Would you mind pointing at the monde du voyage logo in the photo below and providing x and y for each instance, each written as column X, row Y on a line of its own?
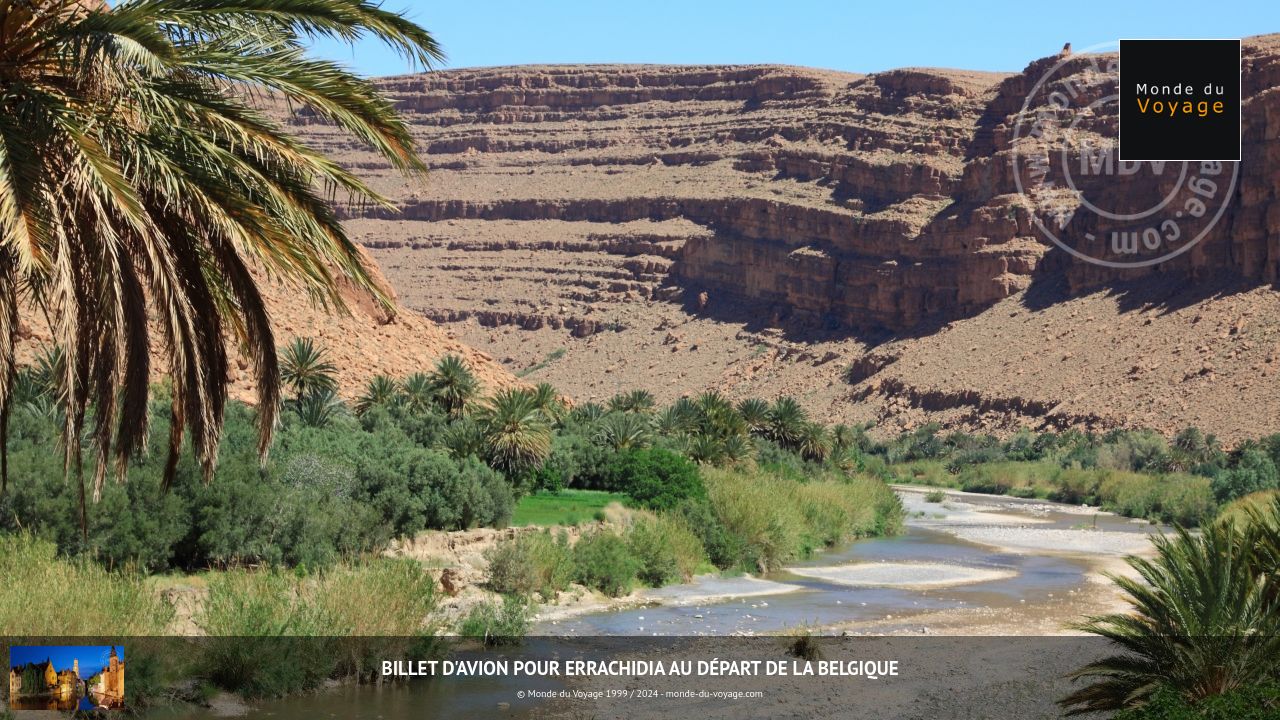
column 1130, row 158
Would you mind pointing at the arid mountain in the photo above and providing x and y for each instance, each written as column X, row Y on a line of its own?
column 856, row 241
column 362, row 343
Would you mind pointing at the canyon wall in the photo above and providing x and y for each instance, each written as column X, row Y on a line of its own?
column 858, row 242
column 838, row 200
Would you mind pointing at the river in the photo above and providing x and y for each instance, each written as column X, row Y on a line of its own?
column 969, row 556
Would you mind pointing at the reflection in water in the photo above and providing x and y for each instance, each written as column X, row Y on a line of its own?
column 59, row 703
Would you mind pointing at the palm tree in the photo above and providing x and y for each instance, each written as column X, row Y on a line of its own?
column 813, row 443
column 787, row 422
column 305, row 367
column 718, row 417
column 463, row 437
column 587, row 412
column 671, row 421
column 636, row 401
column 417, row 393
column 737, row 450
column 380, row 392
column 517, row 436
column 1205, row 621
column 843, row 437
column 317, row 409
column 549, row 402
column 705, row 449
column 144, row 172
column 622, row 431
column 453, row 384
column 755, row 412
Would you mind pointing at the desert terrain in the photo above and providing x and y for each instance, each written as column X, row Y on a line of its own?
column 855, row 241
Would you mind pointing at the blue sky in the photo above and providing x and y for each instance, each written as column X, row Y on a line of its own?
column 853, row 35
column 92, row 657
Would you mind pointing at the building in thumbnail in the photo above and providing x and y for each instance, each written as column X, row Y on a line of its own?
column 109, row 689
column 41, row 678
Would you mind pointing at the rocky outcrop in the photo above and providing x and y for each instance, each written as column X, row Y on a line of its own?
column 857, row 241
column 861, row 202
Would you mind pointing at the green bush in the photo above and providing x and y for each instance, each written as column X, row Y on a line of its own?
column 1256, row 702
column 603, row 561
column 1174, row 498
column 935, row 496
column 532, row 562
column 655, row 478
column 497, row 624
column 723, row 548
column 268, row 636
column 769, row 520
column 328, row 492
column 667, row 550
column 1252, row 472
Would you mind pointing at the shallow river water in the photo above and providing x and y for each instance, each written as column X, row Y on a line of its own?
column 930, row 547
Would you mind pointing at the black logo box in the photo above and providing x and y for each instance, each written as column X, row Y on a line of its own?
column 1188, row 65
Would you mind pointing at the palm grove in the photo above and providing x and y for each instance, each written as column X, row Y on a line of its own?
column 147, row 182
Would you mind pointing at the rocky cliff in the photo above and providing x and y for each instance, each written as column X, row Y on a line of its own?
column 786, row 223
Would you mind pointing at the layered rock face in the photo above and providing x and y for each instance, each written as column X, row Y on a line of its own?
column 858, row 202
column 761, row 229
column 818, row 194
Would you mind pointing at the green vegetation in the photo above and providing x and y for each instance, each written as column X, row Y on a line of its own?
column 1238, row 510
column 531, row 563
column 563, row 507
column 496, row 624
column 1205, row 625
column 603, row 561
column 122, row 603
column 667, row 549
column 1136, row 473
column 424, row 453
column 763, row 521
column 1258, row 702
column 143, row 180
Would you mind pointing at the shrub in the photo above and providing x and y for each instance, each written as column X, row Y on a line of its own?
column 769, row 520
column 1076, row 486
column 1253, row 472
column 381, row 608
column 755, row 509
column 723, row 548
column 495, row 624
column 924, row 472
column 1174, row 498
column 805, row 646
column 417, row 489
column 532, row 562
column 267, row 635
column 666, row 549
column 935, row 496
column 1255, row 702
column 603, row 561
column 655, row 478
column 1237, row 510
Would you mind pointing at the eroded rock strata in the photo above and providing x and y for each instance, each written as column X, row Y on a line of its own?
column 786, row 223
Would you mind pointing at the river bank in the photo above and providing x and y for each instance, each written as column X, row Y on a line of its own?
column 969, row 646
